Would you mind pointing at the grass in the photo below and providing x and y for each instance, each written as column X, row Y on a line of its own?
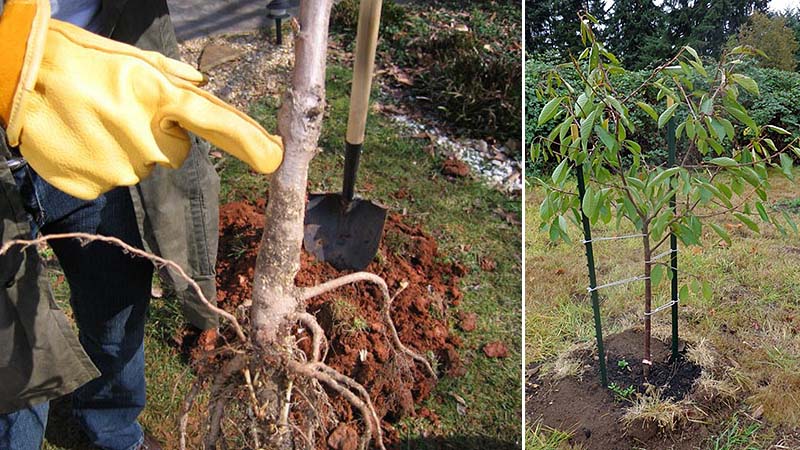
column 736, row 437
column 545, row 438
column 468, row 220
column 745, row 334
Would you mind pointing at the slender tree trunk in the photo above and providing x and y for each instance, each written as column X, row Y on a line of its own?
column 648, row 299
column 299, row 124
column 275, row 296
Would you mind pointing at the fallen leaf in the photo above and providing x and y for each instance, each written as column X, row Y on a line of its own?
column 495, row 349
column 488, row 264
column 455, row 168
column 468, row 321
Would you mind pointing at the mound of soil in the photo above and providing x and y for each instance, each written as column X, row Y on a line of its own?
column 350, row 316
column 592, row 413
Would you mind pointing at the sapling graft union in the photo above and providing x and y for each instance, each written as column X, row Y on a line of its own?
column 721, row 167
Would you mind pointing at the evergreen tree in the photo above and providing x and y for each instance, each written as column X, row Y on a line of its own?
column 634, row 31
column 553, row 25
column 706, row 25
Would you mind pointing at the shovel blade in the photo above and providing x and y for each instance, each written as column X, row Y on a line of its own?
column 343, row 234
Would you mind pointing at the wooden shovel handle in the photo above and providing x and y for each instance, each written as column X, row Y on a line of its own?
column 369, row 19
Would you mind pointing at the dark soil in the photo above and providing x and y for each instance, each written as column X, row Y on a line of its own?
column 593, row 413
column 350, row 316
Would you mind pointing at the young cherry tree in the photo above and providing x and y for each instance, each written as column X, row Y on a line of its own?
column 722, row 166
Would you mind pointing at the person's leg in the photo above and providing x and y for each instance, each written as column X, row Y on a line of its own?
column 109, row 292
column 24, row 429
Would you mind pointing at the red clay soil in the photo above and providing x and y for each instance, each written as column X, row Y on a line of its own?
column 350, row 316
column 593, row 413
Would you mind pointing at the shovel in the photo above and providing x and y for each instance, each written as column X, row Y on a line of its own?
column 339, row 228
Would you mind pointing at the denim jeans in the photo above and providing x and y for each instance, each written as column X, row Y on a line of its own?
column 110, row 292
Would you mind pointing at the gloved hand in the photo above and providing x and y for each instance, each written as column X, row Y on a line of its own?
column 89, row 113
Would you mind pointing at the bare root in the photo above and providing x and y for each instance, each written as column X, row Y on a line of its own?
column 187, row 406
column 328, row 286
column 343, row 384
column 317, row 335
column 86, row 238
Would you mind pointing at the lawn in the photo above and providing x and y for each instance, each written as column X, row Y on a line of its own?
column 748, row 328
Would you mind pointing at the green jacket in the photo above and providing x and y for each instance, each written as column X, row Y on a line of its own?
column 40, row 357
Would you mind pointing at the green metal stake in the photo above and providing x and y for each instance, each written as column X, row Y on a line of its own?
column 587, row 237
column 673, row 243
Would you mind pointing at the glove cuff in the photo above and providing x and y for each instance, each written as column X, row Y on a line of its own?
column 23, row 30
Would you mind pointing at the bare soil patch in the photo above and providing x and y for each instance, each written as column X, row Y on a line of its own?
column 593, row 414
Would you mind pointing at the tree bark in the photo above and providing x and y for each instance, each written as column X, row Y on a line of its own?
column 299, row 124
column 275, row 297
column 648, row 300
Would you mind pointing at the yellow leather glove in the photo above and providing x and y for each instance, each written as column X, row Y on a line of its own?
column 89, row 113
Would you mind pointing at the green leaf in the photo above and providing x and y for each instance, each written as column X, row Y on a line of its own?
column 560, row 174
column 728, row 127
column 549, row 111
column 699, row 68
column 648, row 109
column 617, row 105
column 666, row 115
column 660, row 224
column 656, row 274
column 589, row 203
column 586, row 127
column 762, row 212
column 635, row 182
column 747, row 221
column 683, row 294
column 737, row 186
column 606, row 137
column 717, row 127
column 545, row 209
column 555, row 233
column 724, row 161
column 562, row 226
column 717, row 193
column 742, row 116
column 707, row 292
column 746, row 82
column 692, row 52
column 661, row 176
column 696, row 287
column 721, row 232
column 786, row 166
column 778, row 130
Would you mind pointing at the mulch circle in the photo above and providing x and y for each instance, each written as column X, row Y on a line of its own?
column 359, row 342
column 592, row 413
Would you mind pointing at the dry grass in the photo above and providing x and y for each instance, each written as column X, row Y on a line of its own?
column 650, row 408
column 568, row 364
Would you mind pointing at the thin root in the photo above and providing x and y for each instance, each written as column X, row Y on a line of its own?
column 86, row 238
column 187, row 406
column 317, row 335
column 314, row 291
column 339, row 382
